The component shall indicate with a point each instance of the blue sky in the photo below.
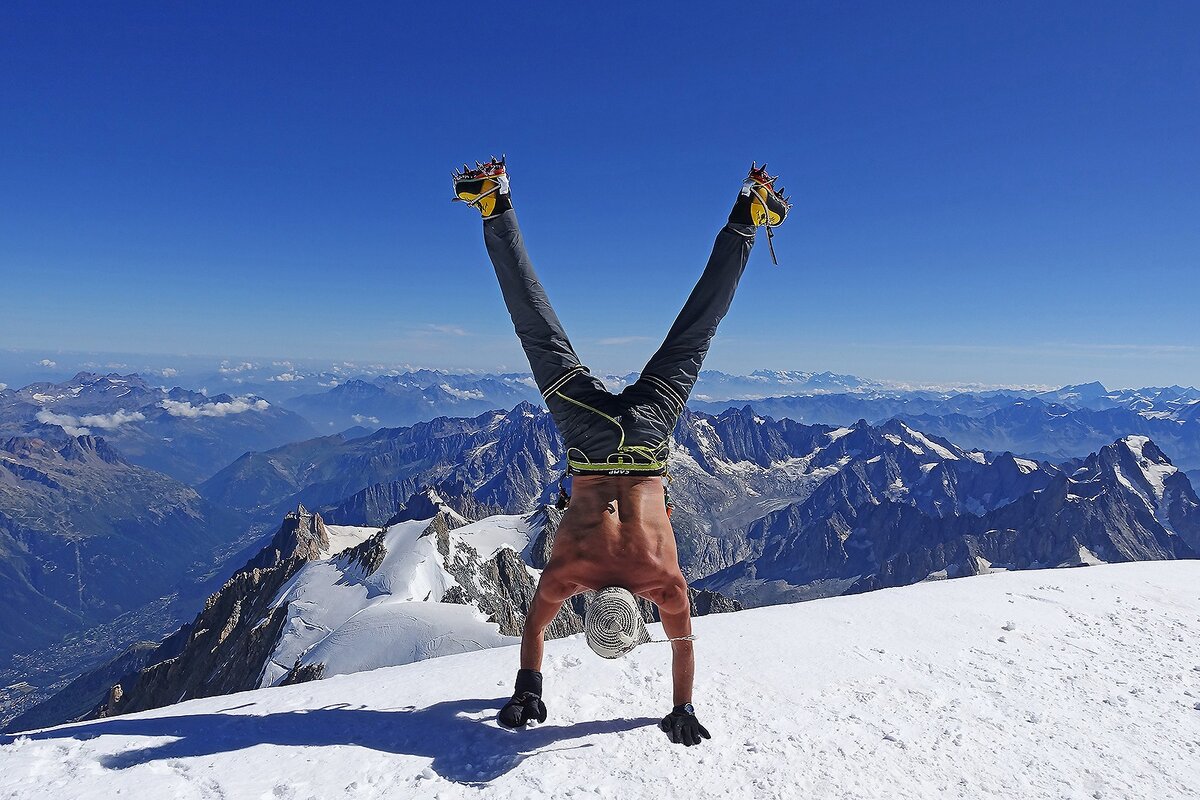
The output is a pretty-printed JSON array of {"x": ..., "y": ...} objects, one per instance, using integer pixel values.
[{"x": 984, "y": 192}]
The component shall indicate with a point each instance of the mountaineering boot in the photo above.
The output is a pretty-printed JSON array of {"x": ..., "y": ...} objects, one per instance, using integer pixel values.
[
  {"x": 485, "y": 187},
  {"x": 759, "y": 203}
]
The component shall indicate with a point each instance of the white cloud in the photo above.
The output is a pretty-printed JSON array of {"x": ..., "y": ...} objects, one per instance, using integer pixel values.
[
  {"x": 3, "y": 386},
  {"x": 286, "y": 377},
  {"x": 360, "y": 419},
  {"x": 461, "y": 394},
  {"x": 65, "y": 421},
  {"x": 226, "y": 369},
  {"x": 81, "y": 426},
  {"x": 168, "y": 372},
  {"x": 45, "y": 362},
  {"x": 109, "y": 422},
  {"x": 179, "y": 408},
  {"x": 332, "y": 382}
]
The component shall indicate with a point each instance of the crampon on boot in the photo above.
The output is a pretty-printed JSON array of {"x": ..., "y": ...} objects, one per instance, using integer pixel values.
[
  {"x": 760, "y": 204},
  {"x": 485, "y": 187}
]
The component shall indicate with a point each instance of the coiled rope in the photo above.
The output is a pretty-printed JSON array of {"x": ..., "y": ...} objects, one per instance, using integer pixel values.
[{"x": 613, "y": 626}]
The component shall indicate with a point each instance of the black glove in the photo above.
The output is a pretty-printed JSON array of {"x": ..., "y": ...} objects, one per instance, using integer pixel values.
[
  {"x": 526, "y": 703},
  {"x": 682, "y": 727}
]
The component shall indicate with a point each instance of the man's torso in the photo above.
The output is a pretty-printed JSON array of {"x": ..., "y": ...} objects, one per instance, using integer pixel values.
[{"x": 615, "y": 533}]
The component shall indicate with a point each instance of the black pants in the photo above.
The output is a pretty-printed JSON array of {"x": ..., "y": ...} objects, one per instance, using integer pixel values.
[{"x": 629, "y": 433}]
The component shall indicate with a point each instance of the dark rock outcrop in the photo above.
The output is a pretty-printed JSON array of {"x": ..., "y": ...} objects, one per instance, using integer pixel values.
[
  {"x": 78, "y": 700},
  {"x": 229, "y": 641}
]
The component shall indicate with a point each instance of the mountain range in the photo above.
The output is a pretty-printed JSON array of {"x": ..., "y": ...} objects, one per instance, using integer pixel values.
[
  {"x": 191, "y": 436},
  {"x": 729, "y": 473},
  {"x": 505, "y": 460},
  {"x": 103, "y": 543},
  {"x": 182, "y": 433}
]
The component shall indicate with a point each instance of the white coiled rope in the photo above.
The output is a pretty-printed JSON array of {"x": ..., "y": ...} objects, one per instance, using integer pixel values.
[{"x": 613, "y": 624}]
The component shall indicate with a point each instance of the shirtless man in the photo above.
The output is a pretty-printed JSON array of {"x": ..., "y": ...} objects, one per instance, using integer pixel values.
[{"x": 616, "y": 531}]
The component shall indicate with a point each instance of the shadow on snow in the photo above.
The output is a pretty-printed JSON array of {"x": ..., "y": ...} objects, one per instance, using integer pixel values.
[{"x": 464, "y": 749}]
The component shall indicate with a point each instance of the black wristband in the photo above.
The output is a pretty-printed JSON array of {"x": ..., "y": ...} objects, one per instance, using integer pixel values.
[
  {"x": 529, "y": 680},
  {"x": 684, "y": 708}
]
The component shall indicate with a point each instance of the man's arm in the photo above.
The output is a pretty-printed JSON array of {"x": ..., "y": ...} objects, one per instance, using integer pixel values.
[
  {"x": 681, "y": 725},
  {"x": 526, "y": 704},
  {"x": 547, "y": 600},
  {"x": 675, "y": 611}
]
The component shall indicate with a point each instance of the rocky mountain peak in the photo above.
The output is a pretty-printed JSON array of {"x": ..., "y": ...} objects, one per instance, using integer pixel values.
[
  {"x": 302, "y": 536},
  {"x": 1145, "y": 450},
  {"x": 1088, "y": 390},
  {"x": 79, "y": 448},
  {"x": 545, "y": 519},
  {"x": 24, "y": 445},
  {"x": 72, "y": 448},
  {"x": 459, "y": 508},
  {"x": 524, "y": 409},
  {"x": 1132, "y": 461}
]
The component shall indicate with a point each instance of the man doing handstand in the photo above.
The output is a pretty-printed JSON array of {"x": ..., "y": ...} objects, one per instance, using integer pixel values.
[{"x": 616, "y": 531}]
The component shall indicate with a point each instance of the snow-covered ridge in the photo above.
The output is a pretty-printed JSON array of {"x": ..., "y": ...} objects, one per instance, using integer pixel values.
[
  {"x": 343, "y": 617},
  {"x": 1075, "y": 683},
  {"x": 1155, "y": 471}
]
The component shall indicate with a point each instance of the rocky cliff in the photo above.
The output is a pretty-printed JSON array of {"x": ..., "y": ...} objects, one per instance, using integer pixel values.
[{"x": 223, "y": 650}]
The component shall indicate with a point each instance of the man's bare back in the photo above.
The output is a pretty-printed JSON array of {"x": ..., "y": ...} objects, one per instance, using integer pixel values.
[{"x": 616, "y": 533}]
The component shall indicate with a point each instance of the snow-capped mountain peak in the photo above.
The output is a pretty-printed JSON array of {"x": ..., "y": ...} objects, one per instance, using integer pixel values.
[
  {"x": 1153, "y": 464},
  {"x": 413, "y": 590}
]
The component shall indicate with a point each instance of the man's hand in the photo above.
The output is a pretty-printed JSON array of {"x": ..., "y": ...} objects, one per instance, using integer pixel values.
[
  {"x": 526, "y": 703},
  {"x": 682, "y": 727},
  {"x": 523, "y": 708}
]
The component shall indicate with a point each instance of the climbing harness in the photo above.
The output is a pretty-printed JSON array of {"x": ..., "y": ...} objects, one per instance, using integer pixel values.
[
  {"x": 624, "y": 460},
  {"x": 564, "y": 497}
]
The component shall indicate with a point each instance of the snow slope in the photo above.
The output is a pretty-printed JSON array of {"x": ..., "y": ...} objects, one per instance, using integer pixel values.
[
  {"x": 1079, "y": 683},
  {"x": 348, "y": 621}
]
